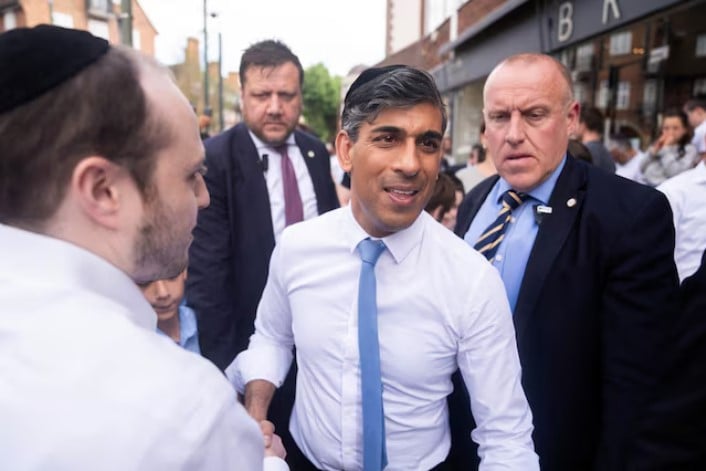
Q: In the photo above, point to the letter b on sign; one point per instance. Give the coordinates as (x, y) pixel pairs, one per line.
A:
(566, 22)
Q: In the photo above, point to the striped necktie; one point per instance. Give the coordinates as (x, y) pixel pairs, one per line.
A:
(492, 236)
(374, 452)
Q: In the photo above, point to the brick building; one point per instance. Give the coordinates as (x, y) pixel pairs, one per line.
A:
(100, 17)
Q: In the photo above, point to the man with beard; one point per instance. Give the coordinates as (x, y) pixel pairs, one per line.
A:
(263, 175)
(90, 206)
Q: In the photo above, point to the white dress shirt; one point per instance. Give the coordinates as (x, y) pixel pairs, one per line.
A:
(275, 185)
(86, 382)
(441, 306)
(631, 169)
(699, 139)
(687, 196)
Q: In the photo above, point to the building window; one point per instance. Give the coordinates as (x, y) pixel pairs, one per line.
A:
(602, 97)
(63, 19)
(436, 12)
(99, 28)
(9, 20)
(99, 5)
(584, 57)
(649, 97)
(621, 43)
(99, 8)
(136, 40)
(622, 101)
(701, 45)
(700, 87)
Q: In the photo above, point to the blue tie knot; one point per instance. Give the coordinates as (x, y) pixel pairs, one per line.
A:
(370, 250)
(514, 199)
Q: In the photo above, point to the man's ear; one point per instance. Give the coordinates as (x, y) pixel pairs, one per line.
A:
(97, 185)
(343, 150)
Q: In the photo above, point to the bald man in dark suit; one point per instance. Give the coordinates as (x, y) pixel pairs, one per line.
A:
(586, 261)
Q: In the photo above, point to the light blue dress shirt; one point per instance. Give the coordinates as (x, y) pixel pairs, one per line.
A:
(513, 253)
(188, 332)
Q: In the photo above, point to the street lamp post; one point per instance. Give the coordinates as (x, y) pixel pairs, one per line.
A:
(125, 22)
(221, 125)
(206, 103)
(220, 81)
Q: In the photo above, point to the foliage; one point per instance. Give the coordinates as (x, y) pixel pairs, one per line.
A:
(321, 94)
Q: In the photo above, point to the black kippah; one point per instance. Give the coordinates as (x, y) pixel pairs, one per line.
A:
(368, 75)
(35, 60)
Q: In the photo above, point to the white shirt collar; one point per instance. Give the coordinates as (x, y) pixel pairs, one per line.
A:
(260, 146)
(400, 244)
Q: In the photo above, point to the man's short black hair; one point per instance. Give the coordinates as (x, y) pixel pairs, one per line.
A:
(268, 53)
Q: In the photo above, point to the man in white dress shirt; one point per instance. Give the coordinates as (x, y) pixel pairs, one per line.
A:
(686, 193)
(440, 305)
(101, 177)
(695, 110)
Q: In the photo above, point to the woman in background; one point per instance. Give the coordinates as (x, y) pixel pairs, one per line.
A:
(672, 153)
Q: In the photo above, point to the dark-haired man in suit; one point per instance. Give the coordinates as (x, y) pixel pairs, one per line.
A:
(262, 175)
(586, 261)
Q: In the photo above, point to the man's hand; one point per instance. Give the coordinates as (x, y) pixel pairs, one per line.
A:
(273, 443)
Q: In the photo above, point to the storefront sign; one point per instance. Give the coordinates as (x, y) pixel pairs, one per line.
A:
(567, 22)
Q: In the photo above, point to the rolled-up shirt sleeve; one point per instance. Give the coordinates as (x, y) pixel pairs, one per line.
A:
(269, 354)
(490, 366)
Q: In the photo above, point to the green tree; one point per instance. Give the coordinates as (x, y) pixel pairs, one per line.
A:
(321, 94)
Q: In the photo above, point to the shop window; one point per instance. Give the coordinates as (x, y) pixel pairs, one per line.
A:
(621, 43)
(584, 57)
(602, 97)
(567, 58)
(700, 87)
(622, 101)
(580, 93)
(701, 45)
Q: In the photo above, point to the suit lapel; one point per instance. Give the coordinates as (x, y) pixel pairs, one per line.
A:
(250, 179)
(308, 153)
(566, 202)
(471, 205)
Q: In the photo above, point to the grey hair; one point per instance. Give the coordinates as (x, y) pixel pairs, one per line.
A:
(404, 87)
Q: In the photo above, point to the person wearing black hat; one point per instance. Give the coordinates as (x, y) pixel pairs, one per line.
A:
(90, 205)
(378, 339)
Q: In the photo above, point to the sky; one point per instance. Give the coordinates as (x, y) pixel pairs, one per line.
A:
(340, 34)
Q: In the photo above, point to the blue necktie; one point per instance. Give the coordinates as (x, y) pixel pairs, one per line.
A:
(493, 235)
(374, 454)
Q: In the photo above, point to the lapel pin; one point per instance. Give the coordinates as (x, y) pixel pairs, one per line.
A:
(571, 202)
(540, 211)
(310, 154)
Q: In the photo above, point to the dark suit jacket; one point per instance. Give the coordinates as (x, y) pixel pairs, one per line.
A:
(672, 434)
(591, 314)
(233, 240)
